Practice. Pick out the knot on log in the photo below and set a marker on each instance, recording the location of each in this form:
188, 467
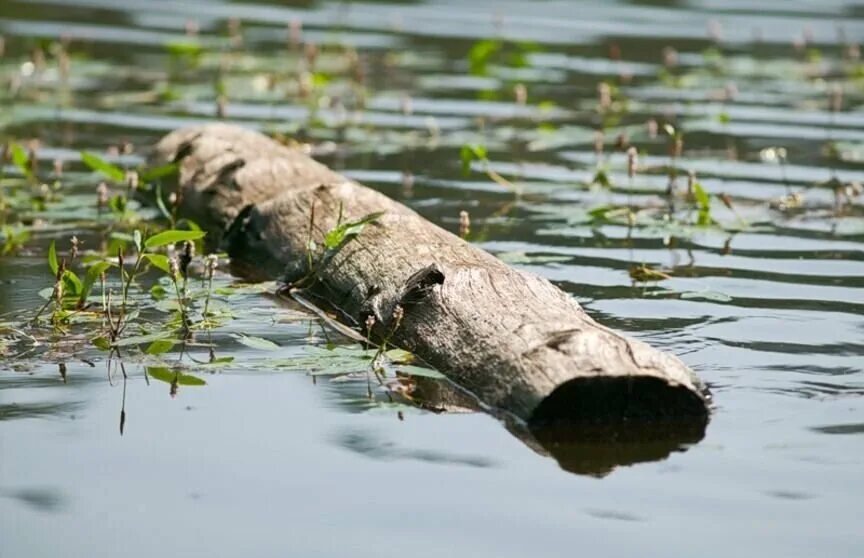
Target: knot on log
419, 286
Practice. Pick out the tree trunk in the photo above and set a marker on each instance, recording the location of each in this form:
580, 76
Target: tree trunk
514, 340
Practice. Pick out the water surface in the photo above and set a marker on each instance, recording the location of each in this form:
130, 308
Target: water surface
768, 307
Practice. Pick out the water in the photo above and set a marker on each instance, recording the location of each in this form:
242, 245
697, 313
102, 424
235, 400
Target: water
262, 461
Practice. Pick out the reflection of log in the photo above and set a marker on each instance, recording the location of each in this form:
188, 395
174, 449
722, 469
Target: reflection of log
511, 338
584, 447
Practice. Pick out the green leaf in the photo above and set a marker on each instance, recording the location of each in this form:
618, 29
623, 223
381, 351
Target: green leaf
158, 292
400, 356
184, 48
601, 178
100, 165
481, 53
256, 342
335, 237
645, 274
419, 371
101, 343
704, 202
165, 374
52, 258
159, 346
21, 160
93, 273
469, 153
117, 204
160, 203
160, 261
136, 237
141, 339
171, 237
73, 283
155, 173
702, 197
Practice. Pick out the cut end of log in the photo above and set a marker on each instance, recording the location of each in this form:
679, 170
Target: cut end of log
623, 399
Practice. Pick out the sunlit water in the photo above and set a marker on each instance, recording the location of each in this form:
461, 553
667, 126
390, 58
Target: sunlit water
265, 462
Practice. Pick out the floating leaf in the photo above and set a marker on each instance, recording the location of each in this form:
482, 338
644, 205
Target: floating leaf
420, 371
100, 165
165, 374
171, 237
644, 274
706, 295
160, 346
141, 339
158, 292
256, 342
101, 343
400, 356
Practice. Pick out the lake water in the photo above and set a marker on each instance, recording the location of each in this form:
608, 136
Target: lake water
767, 304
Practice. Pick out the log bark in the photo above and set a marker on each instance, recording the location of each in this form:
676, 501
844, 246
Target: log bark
511, 338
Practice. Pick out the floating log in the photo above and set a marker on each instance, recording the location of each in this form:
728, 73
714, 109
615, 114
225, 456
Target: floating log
511, 338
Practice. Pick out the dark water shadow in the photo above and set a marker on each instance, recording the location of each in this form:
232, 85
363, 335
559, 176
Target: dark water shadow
12, 411
580, 445
39, 498
369, 445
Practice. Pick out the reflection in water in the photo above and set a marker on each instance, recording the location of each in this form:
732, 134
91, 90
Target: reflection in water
12, 411
371, 446
44, 499
583, 446
597, 449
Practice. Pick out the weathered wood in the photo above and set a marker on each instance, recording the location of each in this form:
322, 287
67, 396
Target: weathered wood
513, 339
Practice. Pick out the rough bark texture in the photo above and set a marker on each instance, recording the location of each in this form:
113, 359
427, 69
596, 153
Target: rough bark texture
513, 339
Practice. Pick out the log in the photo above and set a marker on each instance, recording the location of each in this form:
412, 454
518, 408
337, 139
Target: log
515, 341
